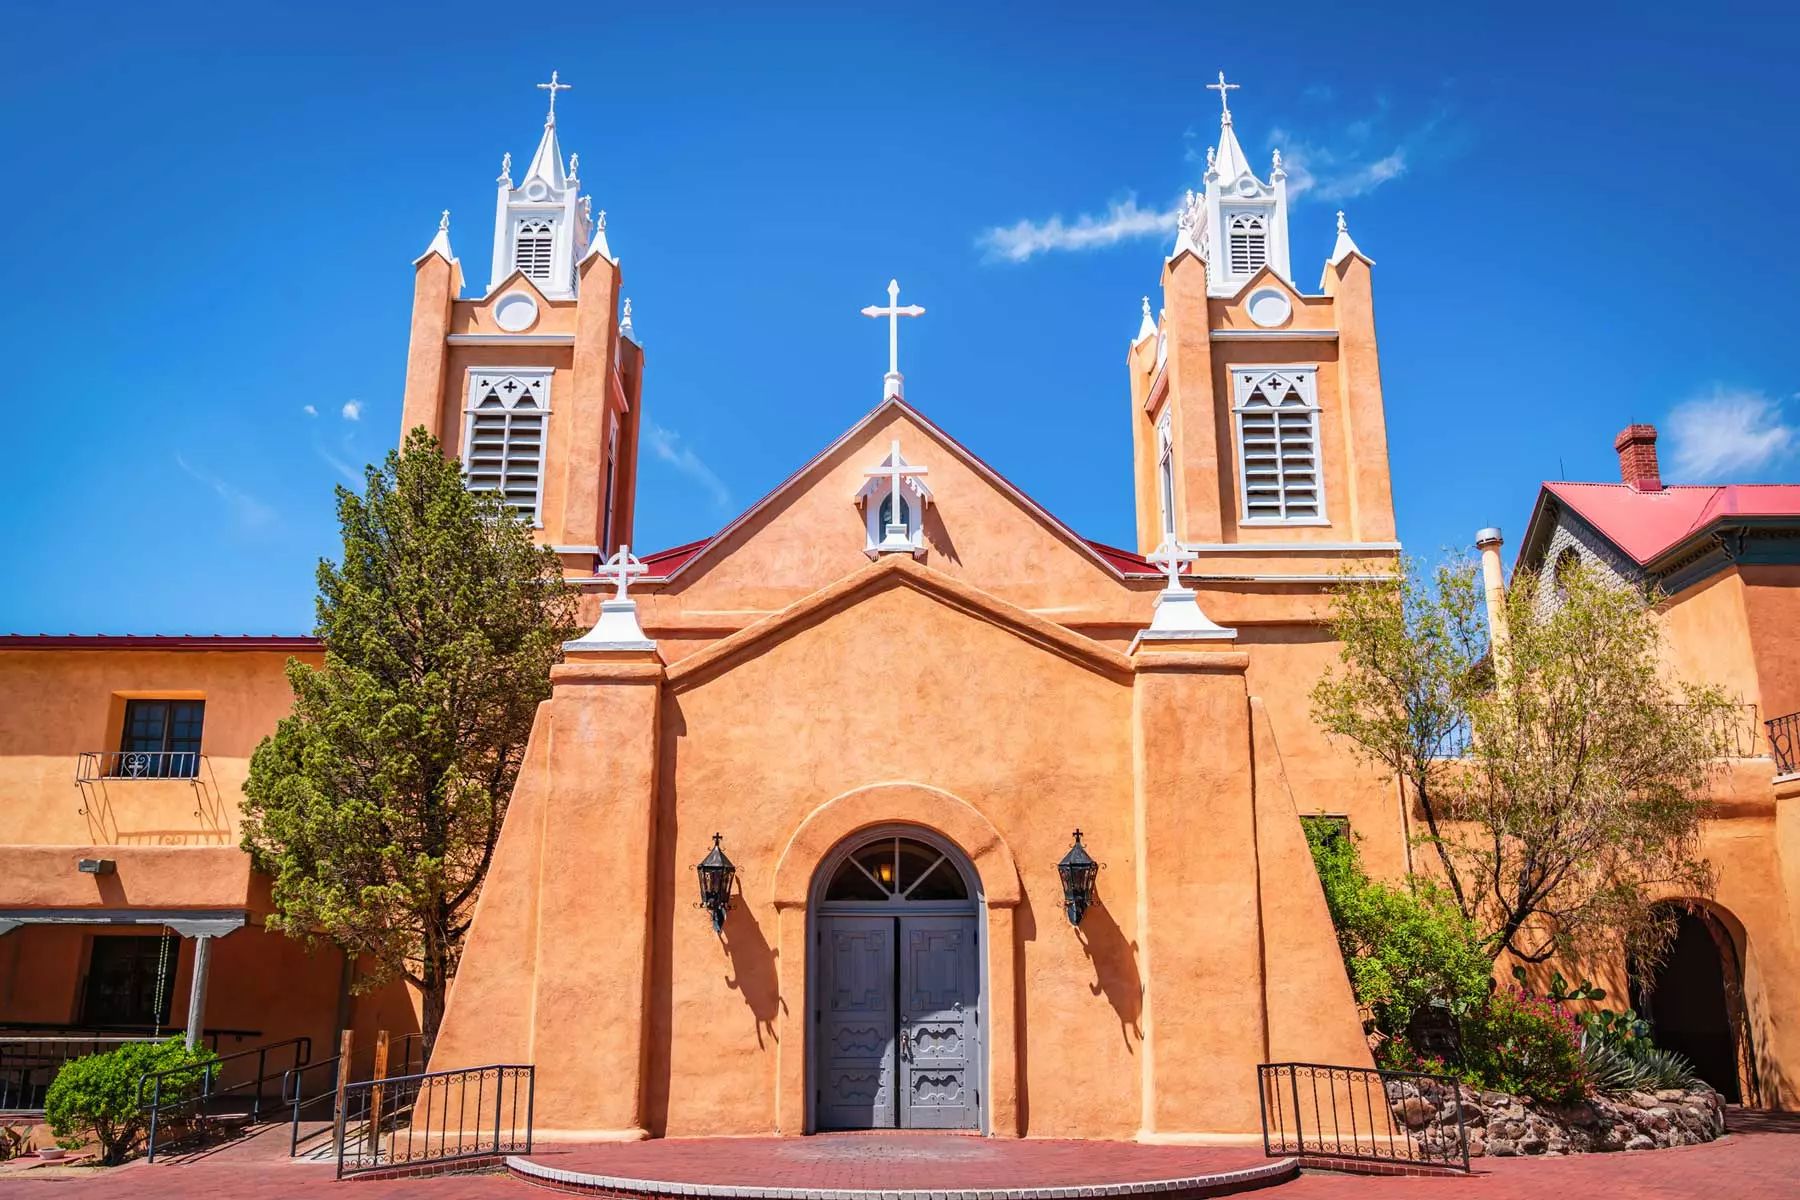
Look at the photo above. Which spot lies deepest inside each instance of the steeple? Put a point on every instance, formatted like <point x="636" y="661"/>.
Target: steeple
<point x="541" y="225"/>
<point x="1246" y="218"/>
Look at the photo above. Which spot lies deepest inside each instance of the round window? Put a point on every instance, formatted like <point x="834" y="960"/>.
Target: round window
<point x="516" y="311"/>
<point x="1269" y="307"/>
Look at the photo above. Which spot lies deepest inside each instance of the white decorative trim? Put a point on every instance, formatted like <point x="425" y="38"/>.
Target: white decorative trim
<point x="1280" y="387"/>
<point x="575" y="549"/>
<point x="874" y="495"/>
<point x="1269" y="547"/>
<point x="186" y="922"/>
<point x="516" y="311"/>
<point x="510" y="339"/>
<point x="1165" y="476"/>
<point x="1269" y="307"/>
<point x="1274" y="335"/>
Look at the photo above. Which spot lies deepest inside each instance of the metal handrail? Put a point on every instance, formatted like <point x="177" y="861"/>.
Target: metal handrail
<point x="30" y="1058"/>
<point x="1784" y="740"/>
<point x="209" y="1075"/>
<point x="1349" y="1113"/>
<point x="93" y="766"/>
<point x="447" y="1117"/>
<point x="293" y="1083"/>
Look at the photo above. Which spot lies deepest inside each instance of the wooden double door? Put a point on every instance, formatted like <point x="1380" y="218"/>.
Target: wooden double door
<point x="897" y="1012"/>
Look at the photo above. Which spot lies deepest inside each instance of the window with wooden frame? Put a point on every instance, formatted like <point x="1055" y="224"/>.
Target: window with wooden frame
<point x="503" y="443"/>
<point x="1279" y="475"/>
<point x="1246" y="242"/>
<point x="130" y="980"/>
<point x="160" y="740"/>
<point x="534" y="246"/>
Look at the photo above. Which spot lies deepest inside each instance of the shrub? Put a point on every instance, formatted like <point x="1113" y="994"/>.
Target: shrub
<point x="97" y="1095"/>
<point x="1615" y="1068"/>
<point x="1526" y="1046"/>
<point x="1403" y="947"/>
<point x="14" y="1142"/>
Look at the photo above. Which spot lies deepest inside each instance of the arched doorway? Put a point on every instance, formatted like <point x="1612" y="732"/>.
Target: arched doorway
<point x="1693" y="997"/>
<point x="896" y="987"/>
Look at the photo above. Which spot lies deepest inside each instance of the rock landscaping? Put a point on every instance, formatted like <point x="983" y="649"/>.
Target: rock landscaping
<point x="1502" y="1125"/>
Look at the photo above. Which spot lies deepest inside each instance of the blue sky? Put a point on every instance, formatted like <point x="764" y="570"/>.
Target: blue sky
<point x="1581" y="216"/>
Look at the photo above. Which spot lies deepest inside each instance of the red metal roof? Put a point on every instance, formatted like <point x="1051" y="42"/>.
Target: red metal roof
<point x="157" y="641"/>
<point x="664" y="563"/>
<point x="1123" y="561"/>
<point x="1647" y="524"/>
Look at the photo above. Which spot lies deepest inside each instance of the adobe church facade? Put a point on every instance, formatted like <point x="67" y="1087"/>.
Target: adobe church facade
<point x="894" y="688"/>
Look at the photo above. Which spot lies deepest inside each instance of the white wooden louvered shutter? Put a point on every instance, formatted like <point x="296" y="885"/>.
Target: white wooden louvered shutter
<point x="505" y="448"/>
<point x="1247" y="243"/>
<point x="532" y="248"/>
<point x="1278" y="447"/>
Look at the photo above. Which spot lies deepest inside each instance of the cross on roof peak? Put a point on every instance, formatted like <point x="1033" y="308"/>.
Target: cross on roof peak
<point x="892" y="383"/>
<point x="1220" y="87"/>
<point x="554" y="87"/>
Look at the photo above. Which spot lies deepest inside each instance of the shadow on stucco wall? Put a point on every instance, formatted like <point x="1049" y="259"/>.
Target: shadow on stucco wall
<point x="754" y="975"/>
<point x="1115" y="971"/>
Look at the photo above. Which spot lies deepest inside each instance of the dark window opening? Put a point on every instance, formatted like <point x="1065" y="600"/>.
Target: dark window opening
<point x="130" y="980"/>
<point x="897" y="868"/>
<point x="161" y="740"/>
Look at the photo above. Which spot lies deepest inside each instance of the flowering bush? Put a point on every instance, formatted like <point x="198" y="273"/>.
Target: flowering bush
<point x="1527" y="1046"/>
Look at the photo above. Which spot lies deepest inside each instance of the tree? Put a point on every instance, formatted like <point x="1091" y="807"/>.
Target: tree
<point x="1562" y="776"/>
<point x="377" y="802"/>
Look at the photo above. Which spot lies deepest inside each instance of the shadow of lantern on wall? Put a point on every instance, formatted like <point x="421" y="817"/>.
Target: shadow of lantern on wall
<point x="1078" y="870"/>
<point x="716" y="875"/>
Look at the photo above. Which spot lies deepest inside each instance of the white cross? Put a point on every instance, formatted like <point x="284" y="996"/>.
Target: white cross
<point x="891" y="384"/>
<point x="554" y="87"/>
<point x="621" y="569"/>
<point x="1171" y="558"/>
<point x="1220" y="87"/>
<point x="894" y="537"/>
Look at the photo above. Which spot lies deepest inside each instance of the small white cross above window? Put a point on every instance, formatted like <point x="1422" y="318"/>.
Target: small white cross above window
<point x="893" y="499"/>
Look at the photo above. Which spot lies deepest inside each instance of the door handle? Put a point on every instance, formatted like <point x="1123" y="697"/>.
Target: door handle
<point x="905" y="1044"/>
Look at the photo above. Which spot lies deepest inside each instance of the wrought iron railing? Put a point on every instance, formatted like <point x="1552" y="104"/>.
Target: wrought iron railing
<point x="31" y="1054"/>
<point x="93" y="766"/>
<point x="313" y="1086"/>
<point x="1737" y="730"/>
<point x="1356" y="1114"/>
<point x="180" y="1100"/>
<point x="435" y="1118"/>
<point x="1784" y="741"/>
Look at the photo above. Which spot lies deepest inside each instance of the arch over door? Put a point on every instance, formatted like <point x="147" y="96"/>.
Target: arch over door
<point x="1690" y="1001"/>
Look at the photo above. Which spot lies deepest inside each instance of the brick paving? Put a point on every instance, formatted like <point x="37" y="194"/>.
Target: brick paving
<point x="1758" y="1160"/>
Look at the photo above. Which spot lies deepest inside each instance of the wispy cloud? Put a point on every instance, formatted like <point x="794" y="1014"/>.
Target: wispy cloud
<point x="666" y="445"/>
<point x="1332" y="175"/>
<point x="1727" y="431"/>
<point x="1123" y="221"/>
<point x="351" y="474"/>
<point x="352" y="410"/>
<point x="245" y="508"/>
<point x="309" y="410"/>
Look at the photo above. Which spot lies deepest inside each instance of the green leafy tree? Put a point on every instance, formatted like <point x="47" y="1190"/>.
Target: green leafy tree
<point x="97" y="1095"/>
<point x="375" y="806"/>
<point x="1561" y="775"/>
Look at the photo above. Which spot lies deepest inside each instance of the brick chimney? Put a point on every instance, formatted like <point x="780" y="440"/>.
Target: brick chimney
<point x="1636" y="445"/>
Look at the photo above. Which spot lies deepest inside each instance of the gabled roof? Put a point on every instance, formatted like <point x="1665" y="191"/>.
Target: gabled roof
<point x="1648" y="524"/>
<point x="668" y="564"/>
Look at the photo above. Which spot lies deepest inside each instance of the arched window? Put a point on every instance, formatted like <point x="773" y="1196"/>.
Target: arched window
<point x="503" y="447"/>
<point x="1247" y="242"/>
<point x="532" y="246"/>
<point x="886" y="517"/>
<point x="897" y="869"/>
<point x="1278" y="446"/>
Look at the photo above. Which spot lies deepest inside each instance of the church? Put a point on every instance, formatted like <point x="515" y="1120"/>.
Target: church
<point x="895" y="695"/>
<point x="895" y="803"/>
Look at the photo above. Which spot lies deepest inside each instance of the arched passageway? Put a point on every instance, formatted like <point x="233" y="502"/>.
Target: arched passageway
<point x="1693" y="1000"/>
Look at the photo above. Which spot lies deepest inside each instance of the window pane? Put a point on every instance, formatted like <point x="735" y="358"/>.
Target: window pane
<point x="851" y="884"/>
<point x="146" y="724"/>
<point x="130" y="981"/>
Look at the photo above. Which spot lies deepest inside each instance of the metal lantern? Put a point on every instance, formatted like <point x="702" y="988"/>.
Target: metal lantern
<point x="716" y="876"/>
<point x="1078" y="870"/>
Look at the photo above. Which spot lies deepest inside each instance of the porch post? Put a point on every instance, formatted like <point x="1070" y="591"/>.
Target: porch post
<point x="197" y="992"/>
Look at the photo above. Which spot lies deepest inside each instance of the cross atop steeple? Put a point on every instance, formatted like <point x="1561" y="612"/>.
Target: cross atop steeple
<point x="1220" y="87"/>
<point x="554" y="87"/>
<point x="892" y="383"/>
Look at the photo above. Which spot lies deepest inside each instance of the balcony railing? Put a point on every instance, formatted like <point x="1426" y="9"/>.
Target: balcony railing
<point x="1784" y="740"/>
<point x="1736" y="728"/>
<point x="96" y="765"/>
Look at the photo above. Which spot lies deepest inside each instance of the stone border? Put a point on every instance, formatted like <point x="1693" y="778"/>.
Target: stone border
<point x="1189" y="1187"/>
<point x="1504" y="1126"/>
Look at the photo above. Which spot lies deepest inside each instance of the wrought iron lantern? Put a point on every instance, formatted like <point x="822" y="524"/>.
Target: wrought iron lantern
<point x="716" y="876"/>
<point x="1078" y="870"/>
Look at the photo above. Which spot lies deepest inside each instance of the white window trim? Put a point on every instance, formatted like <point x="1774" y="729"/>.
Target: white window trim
<point x="1265" y="213"/>
<point x="541" y="378"/>
<point x="1165" y="476"/>
<point x="551" y="217"/>
<point x="915" y="514"/>
<point x="1305" y="379"/>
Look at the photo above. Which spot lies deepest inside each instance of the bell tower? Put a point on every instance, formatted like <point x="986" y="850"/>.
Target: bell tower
<point x="1258" y="432"/>
<point x="535" y="385"/>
